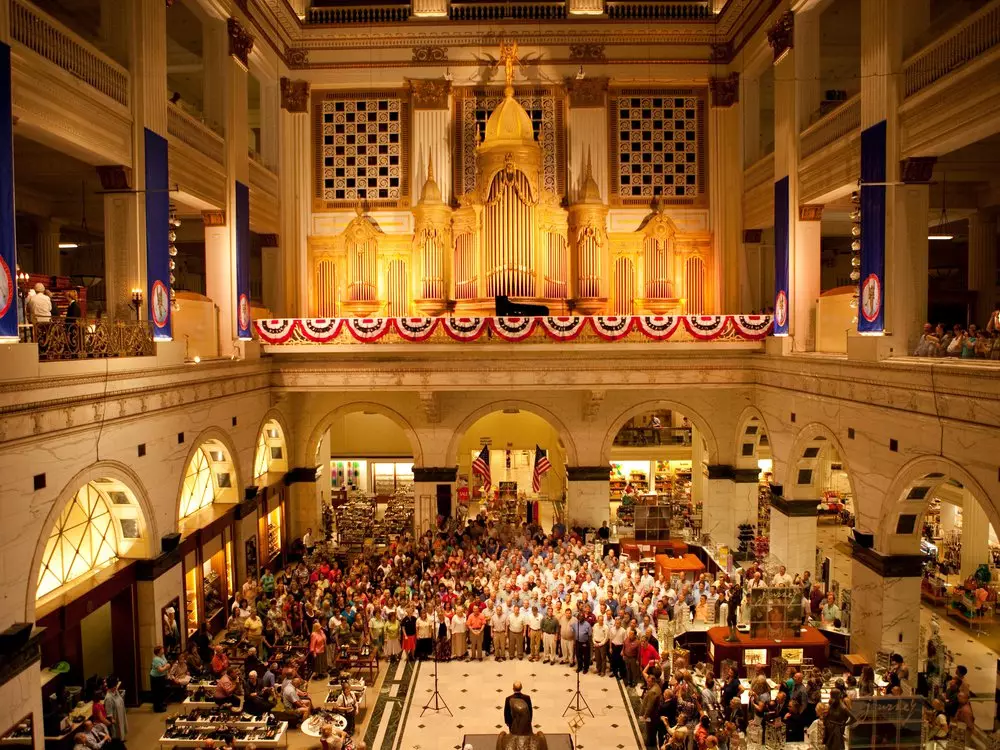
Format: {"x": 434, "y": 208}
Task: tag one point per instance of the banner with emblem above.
{"x": 158, "y": 235}
{"x": 781, "y": 229}
{"x": 242, "y": 262}
{"x": 871, "y": 292}
{"x": 8, "y": 245}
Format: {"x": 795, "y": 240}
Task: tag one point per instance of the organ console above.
{"x": 507, "y": 309}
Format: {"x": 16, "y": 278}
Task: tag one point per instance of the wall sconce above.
{"x": 136, "y": 301}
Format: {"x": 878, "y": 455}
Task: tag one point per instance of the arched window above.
{"x": 209, "y": 478}
{"x": 100, "y": 524}
{"x": 270, "y": 454}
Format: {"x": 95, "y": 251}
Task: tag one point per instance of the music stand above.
{"x": 578, "y": 704}
{"x": 436, "y": 698}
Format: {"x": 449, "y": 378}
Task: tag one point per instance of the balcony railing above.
{"x": 650, "y": 10}
{"x": 963, "y": 44}
{"x": 529, "y": 11}
{"x": 194, "y": 133}
{"x": 359, "y": 14}
{"x": 64, "y": 339}
{"x": 45, "y": 36}
{"x": 832, "y": 127}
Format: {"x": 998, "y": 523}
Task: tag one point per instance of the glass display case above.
{"x": 214, "y": 594}
{"x": 191, "y": 601}
{"x": 887, "y": 721}
{"x": 273, "y": 540}
{"x": 19, "y": 735}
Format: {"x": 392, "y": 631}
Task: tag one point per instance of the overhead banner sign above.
{"x": 871, "y": 294}
{"x": 8, "y": 245}
{"x": 781, "y": 229}
{"x": 158, "y": 235}
{"x": 243, "y": 262}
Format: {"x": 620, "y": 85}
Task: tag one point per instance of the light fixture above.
{"x": 855, "y": 250}
{"x": 197, "y": 359}
{"x": 172, "y": 223}
{"x": 942, "y": 223}
{"x": 136, "y": 302}
{"x": 68, "y": 246}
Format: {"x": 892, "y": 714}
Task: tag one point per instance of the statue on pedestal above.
{"x": 521, "y": 736}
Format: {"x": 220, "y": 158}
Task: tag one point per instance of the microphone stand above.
{"x": 578, "y": 704}
{"x": 436, "y": 698}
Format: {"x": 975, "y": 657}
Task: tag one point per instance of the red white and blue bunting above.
{"x": 677, "y": 328}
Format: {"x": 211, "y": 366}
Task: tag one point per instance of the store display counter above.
{"x": 754, "y": 652}
{"x": 260, "y": 735}
{"x": 688, "y": 567}
{"x": 65, "y": 740}
{"x": 630, "y": 546}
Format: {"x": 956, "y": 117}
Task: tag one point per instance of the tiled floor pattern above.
{"x": 475, "y": 693}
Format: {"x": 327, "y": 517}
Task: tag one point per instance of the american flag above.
{"x": 542, "y": 465}
{"x": 481, "y": 465}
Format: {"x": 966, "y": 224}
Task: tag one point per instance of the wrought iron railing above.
{"x": 64, "y": 339}
{"x": 359, "y": 14}
{"x": 196, "y": 134}
{"x": 650, "y": 10}
{"x": 843, "y": 120}
{"x": 956, "y": 47}
{"x": 522, "y": 11}
{"x": 45, "y": 36}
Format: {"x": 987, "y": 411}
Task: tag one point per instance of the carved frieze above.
{"x": 587, "y": 92}
{"x": 587, "y": 53}
{"x": 781, "y": 35}
{"x": 429, "y": 93}
{"x": 725, "y": 91}
{"x": 240, "y": 42}
{"x": 294, "y": 95}
{"x": 721, "y": 53}
{"x": 296, "y": 57}
{"x": 430, "y": 53}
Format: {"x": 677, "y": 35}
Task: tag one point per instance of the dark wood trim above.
{"x": 795, "y": 508}
{"x": 307, "y": 474}
{"x": 888, "y": 566}
{"x": 589, "y": 473}
{"x": 746, "y": 476}
{"x": 20, "y": 658}
{"x": 740, "y": 476}
{"x": 434, "y": 474}
{"x": 248, "y": 507}
{"x": 720, "y": 471}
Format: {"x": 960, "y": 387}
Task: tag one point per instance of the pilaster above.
{"x": 806, "y": 278}
{"x": 122, "y": 262}
{"x": 725, "y": 188}
{"x": 272, "y": 273}
{"x": 431, "y": 126}
{"x": 47, "y": 259}
{"x": 975, "y": 535}
{"x": 587, "y": 135}
{"x": 294, "y": 168}
{"x": 983, "y": 264}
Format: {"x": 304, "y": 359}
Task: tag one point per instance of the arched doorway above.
{"x": 366, "y": 455}
{"x": 658, "y": 455}
{"x": 511, "y": 466}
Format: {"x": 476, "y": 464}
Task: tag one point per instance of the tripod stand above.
{"x": 436, "y": 701}
{"x": 578, "y": 704}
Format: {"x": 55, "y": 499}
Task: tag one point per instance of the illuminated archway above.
{"x": 649, "y": 407}
{"x": 271, "y": 453}
{"x": 209, "y": 477}
{"x": 753, "y": 443}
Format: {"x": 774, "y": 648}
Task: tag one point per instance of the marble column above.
{"x": 725, "y": 187}
{"x": 426, "y": 480}
{"x": 975, "y": 535}
{"x": 750, "y": 104}
{"x": 294, "y": 171}
{"x": 123, "y": 259}
{"x": 431, "y": 135}
{"x": 47, "y": 259}
{"x": 806, "y": 278}
{"x": 793, "y": 533}
{"x": 587, "y": 134}
{"x": 588, "y": 495}
{"x": 983, "y": 265}
{"x": 885, "y": 595}
{"x": 303, "y": 509}
{"x": 731, "y": 499}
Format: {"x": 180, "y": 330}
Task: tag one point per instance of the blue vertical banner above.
{"x": 242, "y": 261}
{"x": 158, "y": 235}
{"x": 8, "y": 245}
{"x": 781, "y": 229}
{"x": 871, "y": 294}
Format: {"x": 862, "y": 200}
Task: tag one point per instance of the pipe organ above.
{"x": 512, "y": 234}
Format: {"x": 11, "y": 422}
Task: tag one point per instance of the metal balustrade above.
{"x": 531, "y": 11}
{"x": 968, "y": 40}
{"x": 47, "y": 37}
{"x": 649, "y": 10}
{"x": 359, "y": 14}
{"x": 62, "y": 339}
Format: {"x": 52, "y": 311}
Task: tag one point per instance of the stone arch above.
{"x": 221, "y": 438}
{"x": 565, "y": 435}
{"x": 96, "y": 472}
{"x": 908, "y": 498}
{"x": 643, "y": 407}
{"x": 324, "y": 424}
{"x": 272, "y": 415}
{"x": 817, "y": 437}
{"x": 746, "y": 435}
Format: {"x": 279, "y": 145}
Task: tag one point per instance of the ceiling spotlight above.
{"x": 68, "y": 246}
{"x": 940, "y": 236}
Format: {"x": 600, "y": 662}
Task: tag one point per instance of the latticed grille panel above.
{"x": 657, "y": 146}
{"x": 544, "y": 108}
{"x": 361, "y": 149}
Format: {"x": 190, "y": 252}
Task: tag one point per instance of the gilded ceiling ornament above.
{"x": 429, "y": 93}
{"x": 240, "y": 42}
{"x": 725, "y": 91}
{"x": 294, "y": 95}
{"x": 430, "y": 53}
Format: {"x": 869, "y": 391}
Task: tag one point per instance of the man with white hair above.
{"x": 39, "y": 305}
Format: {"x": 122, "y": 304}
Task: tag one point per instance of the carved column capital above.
{"x": 725, "y": 91}
{"x": 429, "y": 93}
{"x": 811, "y": 212}
{"x": 917, "y": 169}
{"x": 240, "y": 42}
{"x": 115, "y": 177}
{"x": 781, "y": 35}
{"x": 294, "y": 95}
{"x": 213, "y": 218}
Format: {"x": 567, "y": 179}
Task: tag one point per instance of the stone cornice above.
{"x": 888, "y": 566}
{"x": 435, "y": 474}
{"x": 795, "y": 508}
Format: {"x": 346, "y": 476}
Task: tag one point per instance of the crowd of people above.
{"x": 960, "y": 341}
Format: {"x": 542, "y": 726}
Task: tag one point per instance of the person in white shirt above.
{"x": 39, "y": 305}
{"x": 515, "y": 633}
{"x": 781, "y": 578}
{"x": 458, "y": 635}
{"x": 567, "y": 636}
{"x": 533, "y": 621}
{"x": 599, "y": 634}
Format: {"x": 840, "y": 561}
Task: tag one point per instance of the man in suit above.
{"x": 649, "y": 710}
{"x": 509, "y": 711}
